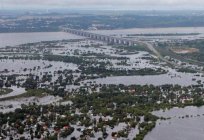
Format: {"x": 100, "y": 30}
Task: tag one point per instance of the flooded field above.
{"x": 156, "y": 80}
{"x": 83, "y": 61}
{"x": 16, "y": 91}
{"x": 61, "y": 65}
{"x": 38, "y": 67}
{"x": 11, "y": 105}
{"x": 72, "y": 60}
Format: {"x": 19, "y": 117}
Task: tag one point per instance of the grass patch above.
{"x": 28, "y": 93}
{"x": 4, "y": 91}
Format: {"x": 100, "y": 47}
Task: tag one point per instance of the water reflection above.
{"x": 185, "y": 124}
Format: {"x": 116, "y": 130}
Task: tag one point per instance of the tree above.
{"x": 1, "y": 83}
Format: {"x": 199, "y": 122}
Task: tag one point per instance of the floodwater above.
{"x": 19, "y": 66}
{"x": 171, "y": 30}
{"x": 179, "y": 127}
{"x": 11, "y": 105}
{"x": 172, "y": 77}
{"x": 153, "y": 30}
{"x": 12, "y": 39}
{"x": 16, "y": 91}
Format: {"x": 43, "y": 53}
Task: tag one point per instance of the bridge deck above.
{"x": 106, "y": 38}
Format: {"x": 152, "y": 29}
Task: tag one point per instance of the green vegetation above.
{"x": 194, "y": 58}
{"x": 133, "y": 49}
{"x": 103, "y": 72}
{"x": 186, "y": 70}
{"x": 4, "y": 91}
{"x": 91, "y": 107}
{"x": 106, "y": 21}
{"x": 119, "y": 103}
{"x": 36, "y": 93}
{"x": 28, "y": 93}
{"x": 146, "y": 127}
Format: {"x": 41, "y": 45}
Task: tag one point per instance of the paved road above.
{"x": 152, "y": 49}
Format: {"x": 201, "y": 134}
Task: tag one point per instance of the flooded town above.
{"x": 101, "y": 75}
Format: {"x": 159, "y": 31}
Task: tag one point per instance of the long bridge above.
{"x": 104, "y": 38}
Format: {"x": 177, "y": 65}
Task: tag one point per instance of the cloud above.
{"x": 103, "y": 3}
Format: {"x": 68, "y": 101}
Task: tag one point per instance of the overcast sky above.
{"x": 104, "y": 4}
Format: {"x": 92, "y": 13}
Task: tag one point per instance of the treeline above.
{"x": 105, "y": 22}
